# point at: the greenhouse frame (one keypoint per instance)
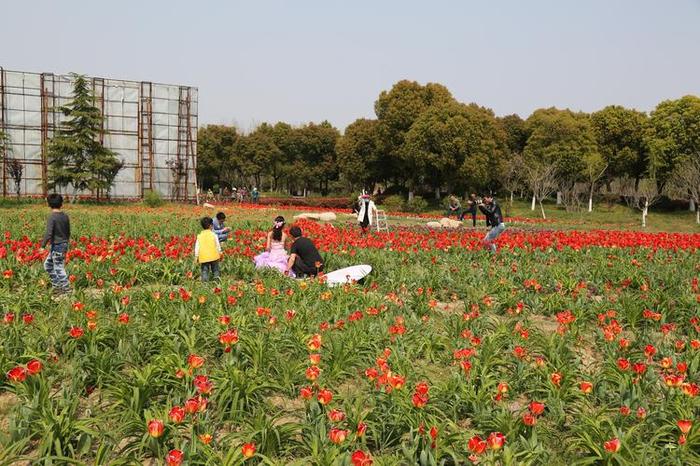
(152, 128)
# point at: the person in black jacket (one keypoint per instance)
(494, 218)
(471, 209)
(304, 258)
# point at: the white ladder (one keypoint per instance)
(381, 221)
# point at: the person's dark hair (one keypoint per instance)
(221, 216)
(295, 231)
(277, 228)
(55, 201)
(206, 222)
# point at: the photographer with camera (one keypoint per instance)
(494, 218)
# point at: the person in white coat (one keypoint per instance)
(367, 212)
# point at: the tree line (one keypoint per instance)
(423, 139)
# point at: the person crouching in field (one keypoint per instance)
(57, 236)
(220, 229)
(494, 218)
(207, 250)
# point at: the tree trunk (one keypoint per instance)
(533, 202)
(645, 210)
(437, 193)
(511, 198)
(542, 209)
(559, 198)
(692, 206)
(410, 195)
(697, 216)
(590, 200)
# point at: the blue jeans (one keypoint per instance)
(209, 267)
(55, 266)
(495, 232)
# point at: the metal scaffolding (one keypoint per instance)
(150, 126)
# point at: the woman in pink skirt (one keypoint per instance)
(275, 255)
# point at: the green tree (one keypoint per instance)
(673, 135)
(455, 144)
(316, 163)
(360, 153)
(216, 155)
(516, 132)
(257, 152)
(75, 155)
(619, 133)
(397, 110)
(562, 139)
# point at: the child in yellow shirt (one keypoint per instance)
(207, 250)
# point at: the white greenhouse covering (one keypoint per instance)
(152, 128)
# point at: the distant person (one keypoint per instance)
(255, 195)
(454, 207)
(367, 211)
(275, 256)
(219, 228)
(304, 259)
(471, 208)
(207, 250)
(494, 219)
(57, 235)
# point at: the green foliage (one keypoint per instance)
(674, 134)
(417, 205)
(153, 198)
(620, 135)
(394, 202)
(75, 155)
(360, 153)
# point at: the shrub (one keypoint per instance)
(394, 202)
(153, 199)
(322, 202)
(416, 205)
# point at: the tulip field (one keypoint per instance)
(566, 347)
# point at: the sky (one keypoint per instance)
(311, 60)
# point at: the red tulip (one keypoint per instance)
(306, 393)
(360, 458)
(224, 319)
(496, 440)
(315, 359)
(203, 384)
(192, 405)
(248, 450)
(314, 343)
(337, 436)
(336, 415)
(155, 428)
(76, 332)
(8, 318)
(586, 387)
(177, 414)
(27, 318)
(195, 361)
(123, 318)
(477, 445)
(34, 367)
(556, 378)
(361, 429)
(536, 408)
(529, 419)
(312, 373)
(685, 425)
(324, 396)
(613, 445)
(419, 401)
(17, 374)
(174, 458)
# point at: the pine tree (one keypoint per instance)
(76, 156)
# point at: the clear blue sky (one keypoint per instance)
(309, 60)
